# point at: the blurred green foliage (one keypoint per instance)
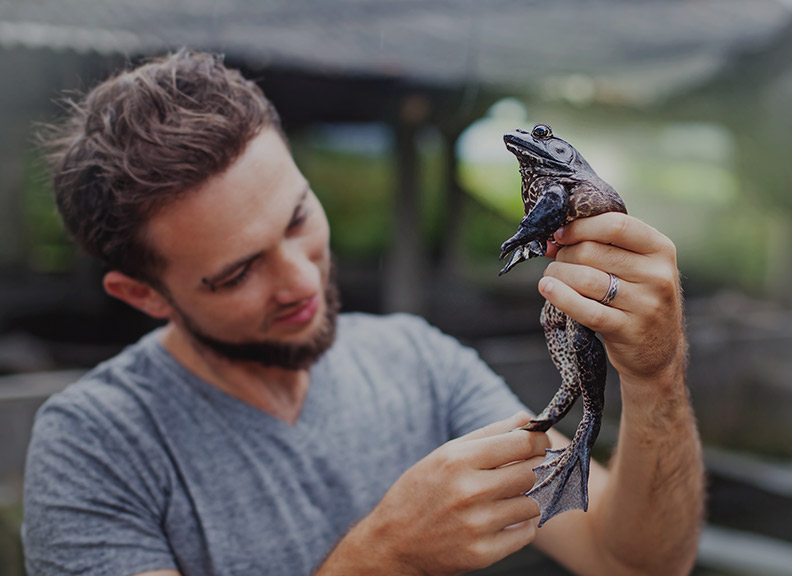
(11, 559)
(727, 235)
(48, 246)
(357, 192)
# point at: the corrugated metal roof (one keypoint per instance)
(631, 50)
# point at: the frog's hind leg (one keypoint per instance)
(562, 479)
(554, 323)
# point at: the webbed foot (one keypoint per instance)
(562, 479)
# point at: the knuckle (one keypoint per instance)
(529, 532)
(465, 490)
(598, 318)
(667, 290)
(622, 258)
(447, 460)
(593, 283)
(668, 248)
(535, 444)
(585, 251)
(552, 268)
(662, 281)
(471, 524)
(657, 309)
(477, 553)
(529, 441)
(624, 223)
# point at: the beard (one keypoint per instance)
(272, 353)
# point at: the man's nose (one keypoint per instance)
(296, 276)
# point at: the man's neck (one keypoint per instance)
(274, 390)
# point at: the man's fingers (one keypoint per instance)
(502, 449)
(625, 264)
(594, 284)
(516, 478)
(512, 511)
(588, 312)
(615, 228)
(514, 537)
(519, 419)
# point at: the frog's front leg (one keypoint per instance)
(545, 217)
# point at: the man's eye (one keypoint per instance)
(298, 219)
(236, 279)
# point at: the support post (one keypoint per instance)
(404, 270)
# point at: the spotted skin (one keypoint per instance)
(558, 186)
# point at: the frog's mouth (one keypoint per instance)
(532, 153)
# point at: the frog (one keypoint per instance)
(558, 187)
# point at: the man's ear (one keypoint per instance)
(137, 294)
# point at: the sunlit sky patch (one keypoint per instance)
(682, 162)
(482, 141)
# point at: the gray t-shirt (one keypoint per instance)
(141, 465)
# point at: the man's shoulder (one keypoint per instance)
(113, 386)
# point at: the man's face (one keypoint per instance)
(248, 261)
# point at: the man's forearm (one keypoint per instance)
(653, 506)
(358, 554)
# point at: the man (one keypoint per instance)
(251, 435)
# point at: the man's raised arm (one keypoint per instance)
(645, 514)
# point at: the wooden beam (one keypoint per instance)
(403, 288)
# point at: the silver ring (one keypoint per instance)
(613, 289)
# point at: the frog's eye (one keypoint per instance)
(541, 131)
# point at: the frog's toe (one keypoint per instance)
(539, 425)
(561, 483)
(535, 249)
(516, 256)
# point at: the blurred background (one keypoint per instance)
(396, 110)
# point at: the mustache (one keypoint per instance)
(272, 353)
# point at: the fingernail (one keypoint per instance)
(559, 234)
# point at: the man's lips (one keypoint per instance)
(302, 314)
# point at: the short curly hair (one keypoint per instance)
(142, 138)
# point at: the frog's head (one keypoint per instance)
(558, 186)
(542, 154)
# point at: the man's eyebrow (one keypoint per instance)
(212, 280)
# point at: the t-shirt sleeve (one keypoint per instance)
(91, 504)
(471, 393)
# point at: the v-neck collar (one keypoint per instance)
(310, 420)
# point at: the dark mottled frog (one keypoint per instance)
(559, 186)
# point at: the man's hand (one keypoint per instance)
(644, 516)
(460, 508)
(642, 328)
